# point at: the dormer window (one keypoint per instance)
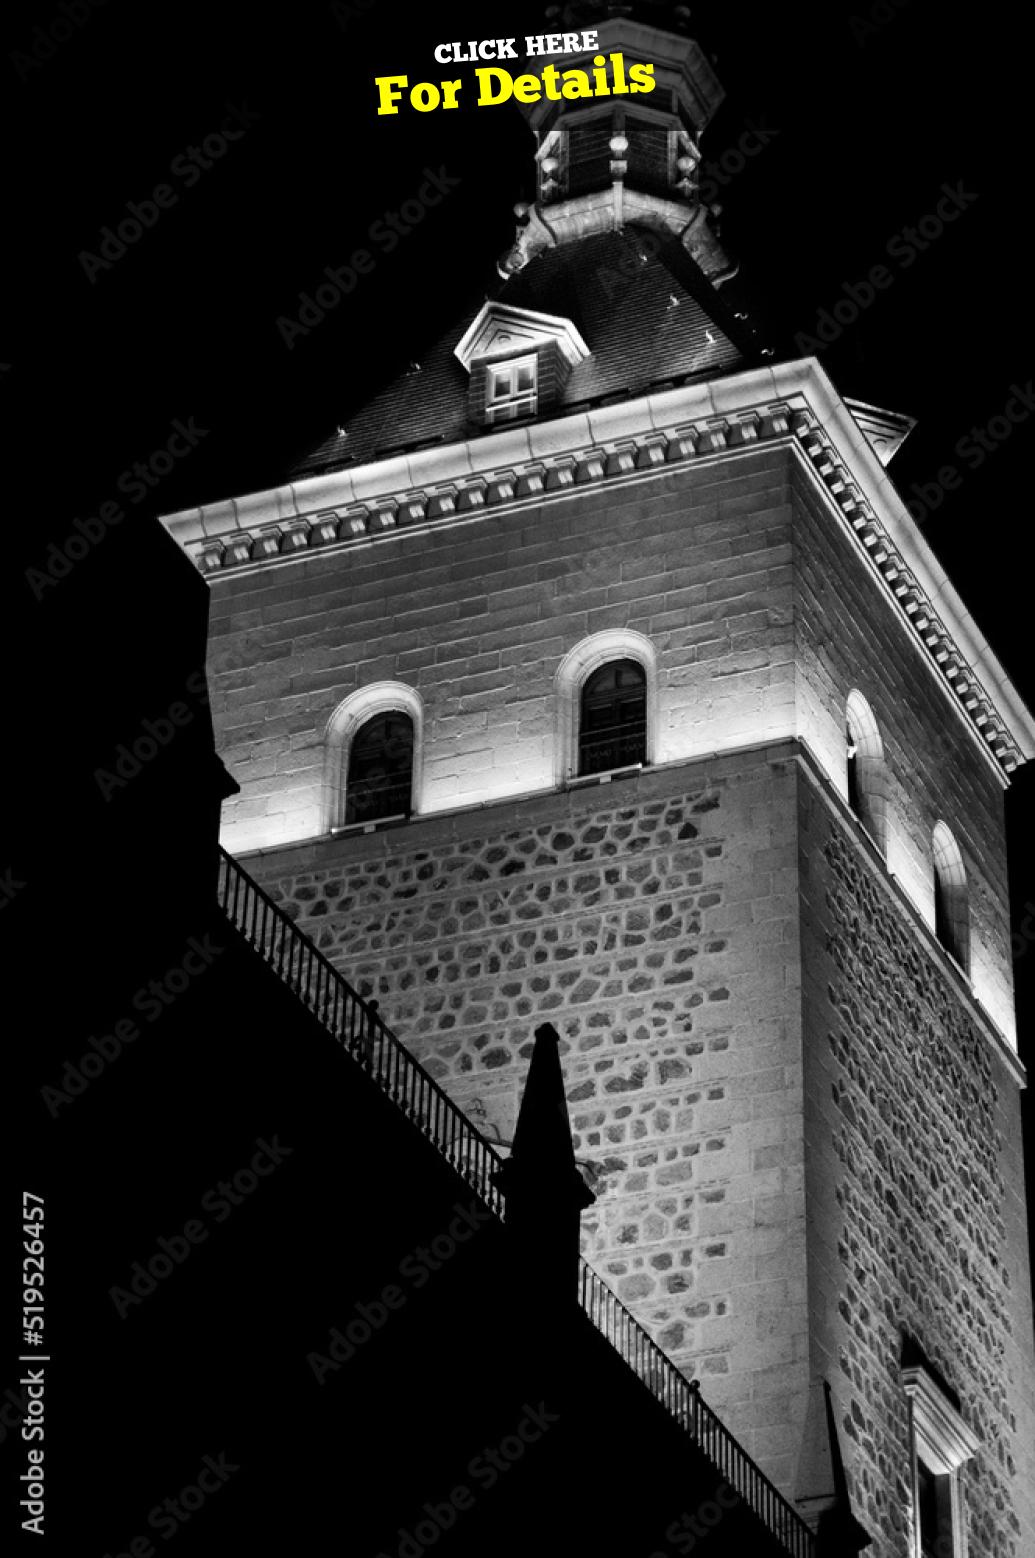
(511, 389)
(519, 362)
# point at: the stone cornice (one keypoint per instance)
(539, 462)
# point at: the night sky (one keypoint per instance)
(868, 112)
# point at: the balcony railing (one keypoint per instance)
(356, 1024)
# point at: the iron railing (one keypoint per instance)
(369, 800)
(613, 746)
(682, 1399)
(355, 1023)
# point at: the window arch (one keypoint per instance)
(372, 761)
(866, 776)
(951, 910)
(606, 704)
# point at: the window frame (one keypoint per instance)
(616, 734)
(348, 718)
(951, 902)
(515, 404)
(942, 1441)
(866, 780)
(572, 673)
(352, 784)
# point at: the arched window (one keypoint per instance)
(865, 776)
(380, 773)
(372, 756)
(951, 913)
(613, 718)
(606, 705)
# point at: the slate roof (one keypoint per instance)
(638, 303)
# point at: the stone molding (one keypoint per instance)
(631, 441)
(502, 331)
(943, 1438)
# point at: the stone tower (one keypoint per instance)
(596, 674)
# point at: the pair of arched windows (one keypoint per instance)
(866, 778)
(379, 751)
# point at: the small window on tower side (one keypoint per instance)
(511, 389)
(380, 773)
(934, 1509)
(951, 910)
(855, 799)
(865, 774)
(613, 718)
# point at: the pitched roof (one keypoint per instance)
(636, 299)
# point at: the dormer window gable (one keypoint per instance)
(519, 362)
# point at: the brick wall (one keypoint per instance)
(914, 1178)
(654, 921)
(478, 616)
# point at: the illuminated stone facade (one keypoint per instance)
(799, 1114)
